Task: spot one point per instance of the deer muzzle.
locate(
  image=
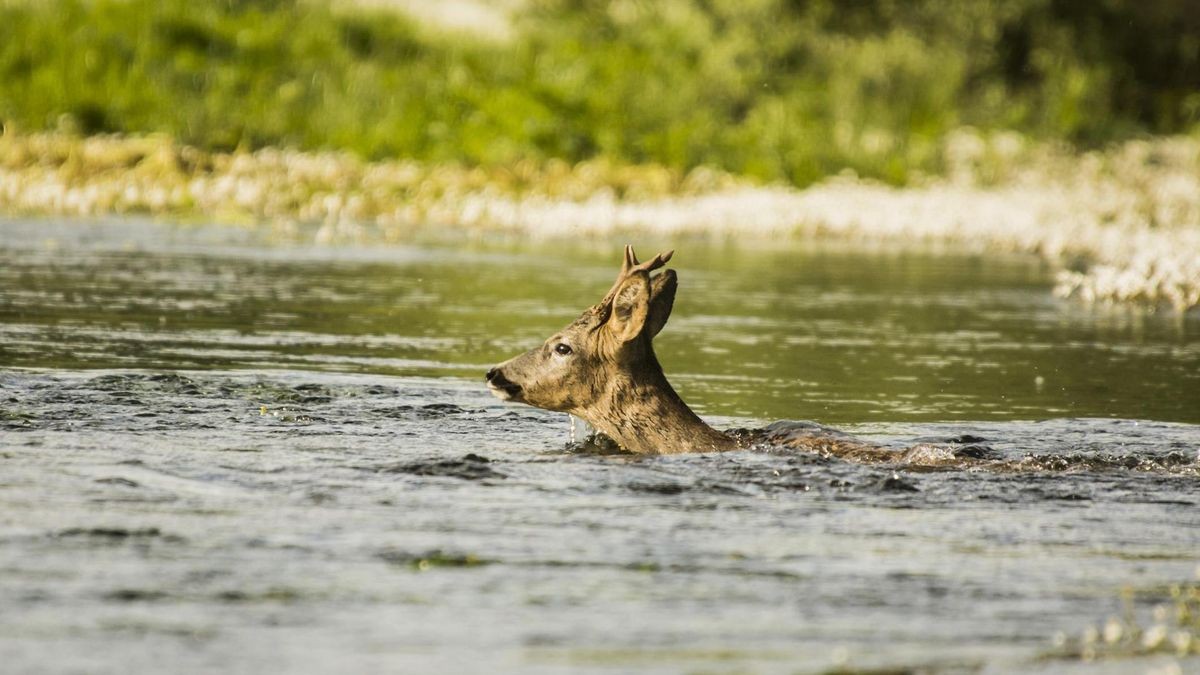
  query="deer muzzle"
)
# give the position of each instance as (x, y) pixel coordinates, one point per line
(502, 387)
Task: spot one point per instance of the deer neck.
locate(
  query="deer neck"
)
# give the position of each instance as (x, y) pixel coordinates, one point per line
(642, 412)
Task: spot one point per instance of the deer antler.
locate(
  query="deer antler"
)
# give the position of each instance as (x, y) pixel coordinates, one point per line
(632, 266)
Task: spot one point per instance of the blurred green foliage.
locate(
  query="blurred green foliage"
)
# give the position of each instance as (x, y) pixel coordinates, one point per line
(775, 89)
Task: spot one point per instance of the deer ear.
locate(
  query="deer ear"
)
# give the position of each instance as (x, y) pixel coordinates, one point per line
(662, 299)
(630, 307)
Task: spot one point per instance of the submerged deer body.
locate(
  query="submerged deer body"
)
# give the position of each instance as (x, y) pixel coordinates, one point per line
(602, 369)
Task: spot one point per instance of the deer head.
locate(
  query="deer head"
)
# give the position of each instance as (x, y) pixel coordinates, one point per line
(602, 368)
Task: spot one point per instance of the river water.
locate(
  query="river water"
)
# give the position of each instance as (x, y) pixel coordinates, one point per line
(225, 451)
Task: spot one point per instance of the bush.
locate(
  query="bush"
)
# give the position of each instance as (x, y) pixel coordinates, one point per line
(774, 89)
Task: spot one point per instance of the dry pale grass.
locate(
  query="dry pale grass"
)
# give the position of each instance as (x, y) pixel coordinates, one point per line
(1123, 224)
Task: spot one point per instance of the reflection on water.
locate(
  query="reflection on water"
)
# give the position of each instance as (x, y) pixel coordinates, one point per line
(220, 455)
(794, 332)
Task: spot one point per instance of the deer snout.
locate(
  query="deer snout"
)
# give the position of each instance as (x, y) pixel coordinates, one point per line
(500, 386)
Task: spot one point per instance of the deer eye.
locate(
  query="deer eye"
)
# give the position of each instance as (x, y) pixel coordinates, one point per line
(562, 348)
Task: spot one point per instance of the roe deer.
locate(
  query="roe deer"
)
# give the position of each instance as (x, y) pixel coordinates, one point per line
(602, 369)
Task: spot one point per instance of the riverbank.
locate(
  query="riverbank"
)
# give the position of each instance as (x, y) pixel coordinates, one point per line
(1122, 225)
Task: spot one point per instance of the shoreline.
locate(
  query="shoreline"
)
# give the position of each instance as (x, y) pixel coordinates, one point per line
(1120, 225)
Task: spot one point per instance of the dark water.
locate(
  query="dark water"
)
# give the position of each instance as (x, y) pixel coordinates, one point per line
(220, 453)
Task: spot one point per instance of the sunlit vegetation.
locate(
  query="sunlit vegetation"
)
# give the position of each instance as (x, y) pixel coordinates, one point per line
(1174, 629)
(768, 89)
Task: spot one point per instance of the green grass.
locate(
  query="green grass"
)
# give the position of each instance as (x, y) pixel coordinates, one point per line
(770, 89)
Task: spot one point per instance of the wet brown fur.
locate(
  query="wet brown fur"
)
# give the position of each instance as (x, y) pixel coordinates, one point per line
(611, 378)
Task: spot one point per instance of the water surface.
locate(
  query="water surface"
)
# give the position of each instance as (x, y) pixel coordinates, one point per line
(225, 452)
